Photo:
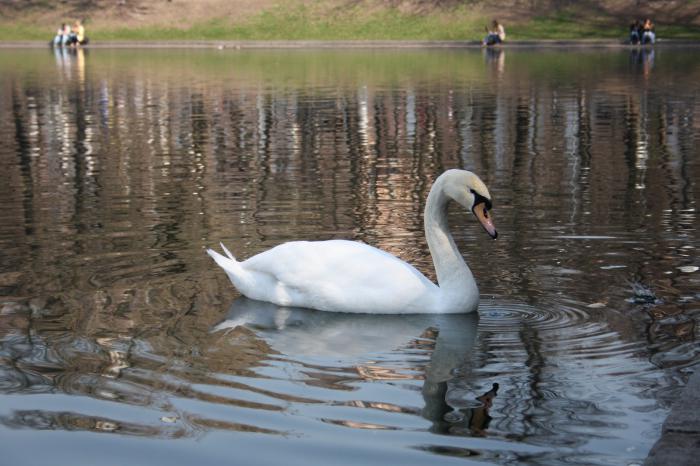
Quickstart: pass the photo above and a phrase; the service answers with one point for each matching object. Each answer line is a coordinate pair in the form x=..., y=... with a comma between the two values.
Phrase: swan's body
x=348, y=276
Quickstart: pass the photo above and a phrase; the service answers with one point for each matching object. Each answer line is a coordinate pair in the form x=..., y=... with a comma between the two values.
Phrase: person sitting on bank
x=62, y=36
x=636, y=32
x=78, y=35
x=648, y=34
x=495, y=35
x=58, y=38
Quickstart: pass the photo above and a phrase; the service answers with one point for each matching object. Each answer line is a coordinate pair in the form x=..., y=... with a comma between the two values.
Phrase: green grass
x=307, y=23
x=563, y=26
x=25, y=32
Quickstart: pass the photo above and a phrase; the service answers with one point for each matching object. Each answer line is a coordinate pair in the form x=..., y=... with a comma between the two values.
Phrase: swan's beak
x=482, y=213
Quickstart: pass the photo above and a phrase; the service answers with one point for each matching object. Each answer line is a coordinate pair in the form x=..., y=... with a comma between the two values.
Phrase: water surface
x=121, y=342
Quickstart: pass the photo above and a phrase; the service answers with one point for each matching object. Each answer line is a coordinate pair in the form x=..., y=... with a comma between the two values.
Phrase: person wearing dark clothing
x=636, y=32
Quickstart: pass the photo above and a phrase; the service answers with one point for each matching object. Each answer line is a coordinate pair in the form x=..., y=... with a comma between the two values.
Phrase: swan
x=349, y=276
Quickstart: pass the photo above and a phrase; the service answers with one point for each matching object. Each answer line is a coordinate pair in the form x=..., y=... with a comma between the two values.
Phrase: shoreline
x=679, y=444
x=357, y=44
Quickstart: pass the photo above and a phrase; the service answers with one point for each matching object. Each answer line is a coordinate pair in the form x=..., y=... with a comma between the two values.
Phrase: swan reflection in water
x=380, y=347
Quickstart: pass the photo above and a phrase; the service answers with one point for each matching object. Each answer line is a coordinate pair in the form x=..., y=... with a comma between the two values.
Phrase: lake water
x=122, y=343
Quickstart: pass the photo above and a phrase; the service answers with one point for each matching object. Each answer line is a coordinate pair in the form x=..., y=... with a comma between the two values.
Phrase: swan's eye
x=478, y=199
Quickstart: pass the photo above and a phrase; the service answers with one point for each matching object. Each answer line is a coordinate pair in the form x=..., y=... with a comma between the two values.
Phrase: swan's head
x=467, y=189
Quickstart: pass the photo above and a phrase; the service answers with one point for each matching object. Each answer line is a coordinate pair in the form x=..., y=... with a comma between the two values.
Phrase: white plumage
x=349, y=276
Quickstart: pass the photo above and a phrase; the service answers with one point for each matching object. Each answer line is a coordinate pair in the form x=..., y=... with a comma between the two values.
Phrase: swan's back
x=337, y=275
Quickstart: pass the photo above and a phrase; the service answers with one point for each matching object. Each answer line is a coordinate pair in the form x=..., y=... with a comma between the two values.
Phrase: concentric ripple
x=507, y=317
x=603, y=339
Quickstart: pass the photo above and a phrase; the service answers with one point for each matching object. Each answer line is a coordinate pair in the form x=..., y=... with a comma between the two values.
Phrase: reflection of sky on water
x=120, y=166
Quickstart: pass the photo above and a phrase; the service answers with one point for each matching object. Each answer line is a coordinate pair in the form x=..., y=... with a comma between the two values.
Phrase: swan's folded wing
x=344, y=271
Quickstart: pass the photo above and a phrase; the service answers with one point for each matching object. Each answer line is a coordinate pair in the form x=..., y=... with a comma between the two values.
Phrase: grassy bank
x=307, y=24
x=355, y=23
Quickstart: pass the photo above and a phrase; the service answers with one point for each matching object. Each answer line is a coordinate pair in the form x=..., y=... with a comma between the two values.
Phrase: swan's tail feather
x=236, y=273
x=228, y=253
x=229, y=264
x=218, y=258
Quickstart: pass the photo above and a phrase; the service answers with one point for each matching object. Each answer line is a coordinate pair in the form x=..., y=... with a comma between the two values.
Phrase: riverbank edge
x=353, y=44
x=679, y=444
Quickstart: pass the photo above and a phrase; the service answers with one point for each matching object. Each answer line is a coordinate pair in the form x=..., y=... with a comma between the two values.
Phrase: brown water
x=122, y=343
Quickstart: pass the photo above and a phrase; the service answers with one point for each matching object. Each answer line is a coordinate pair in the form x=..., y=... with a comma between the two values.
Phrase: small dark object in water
x=643, y=294
x=488, y=397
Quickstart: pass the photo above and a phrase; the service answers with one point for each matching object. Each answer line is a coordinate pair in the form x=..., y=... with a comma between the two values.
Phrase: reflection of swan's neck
x=453, y=275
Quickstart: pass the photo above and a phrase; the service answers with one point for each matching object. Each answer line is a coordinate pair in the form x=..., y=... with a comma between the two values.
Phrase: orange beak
x=482, y=213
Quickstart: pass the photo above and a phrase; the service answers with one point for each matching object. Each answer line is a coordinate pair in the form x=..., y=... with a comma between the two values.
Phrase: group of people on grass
x=642, y=32
x=70, y=37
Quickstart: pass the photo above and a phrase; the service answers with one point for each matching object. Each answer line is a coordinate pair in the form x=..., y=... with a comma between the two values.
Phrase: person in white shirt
x=495, y=35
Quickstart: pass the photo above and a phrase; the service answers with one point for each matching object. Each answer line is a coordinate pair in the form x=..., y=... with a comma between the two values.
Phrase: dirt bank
x=185, y=13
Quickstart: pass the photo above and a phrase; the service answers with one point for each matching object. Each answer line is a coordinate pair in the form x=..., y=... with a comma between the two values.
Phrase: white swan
x=348, y=276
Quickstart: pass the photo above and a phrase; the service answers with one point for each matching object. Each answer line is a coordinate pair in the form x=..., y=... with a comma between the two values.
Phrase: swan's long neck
x=453, y=274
